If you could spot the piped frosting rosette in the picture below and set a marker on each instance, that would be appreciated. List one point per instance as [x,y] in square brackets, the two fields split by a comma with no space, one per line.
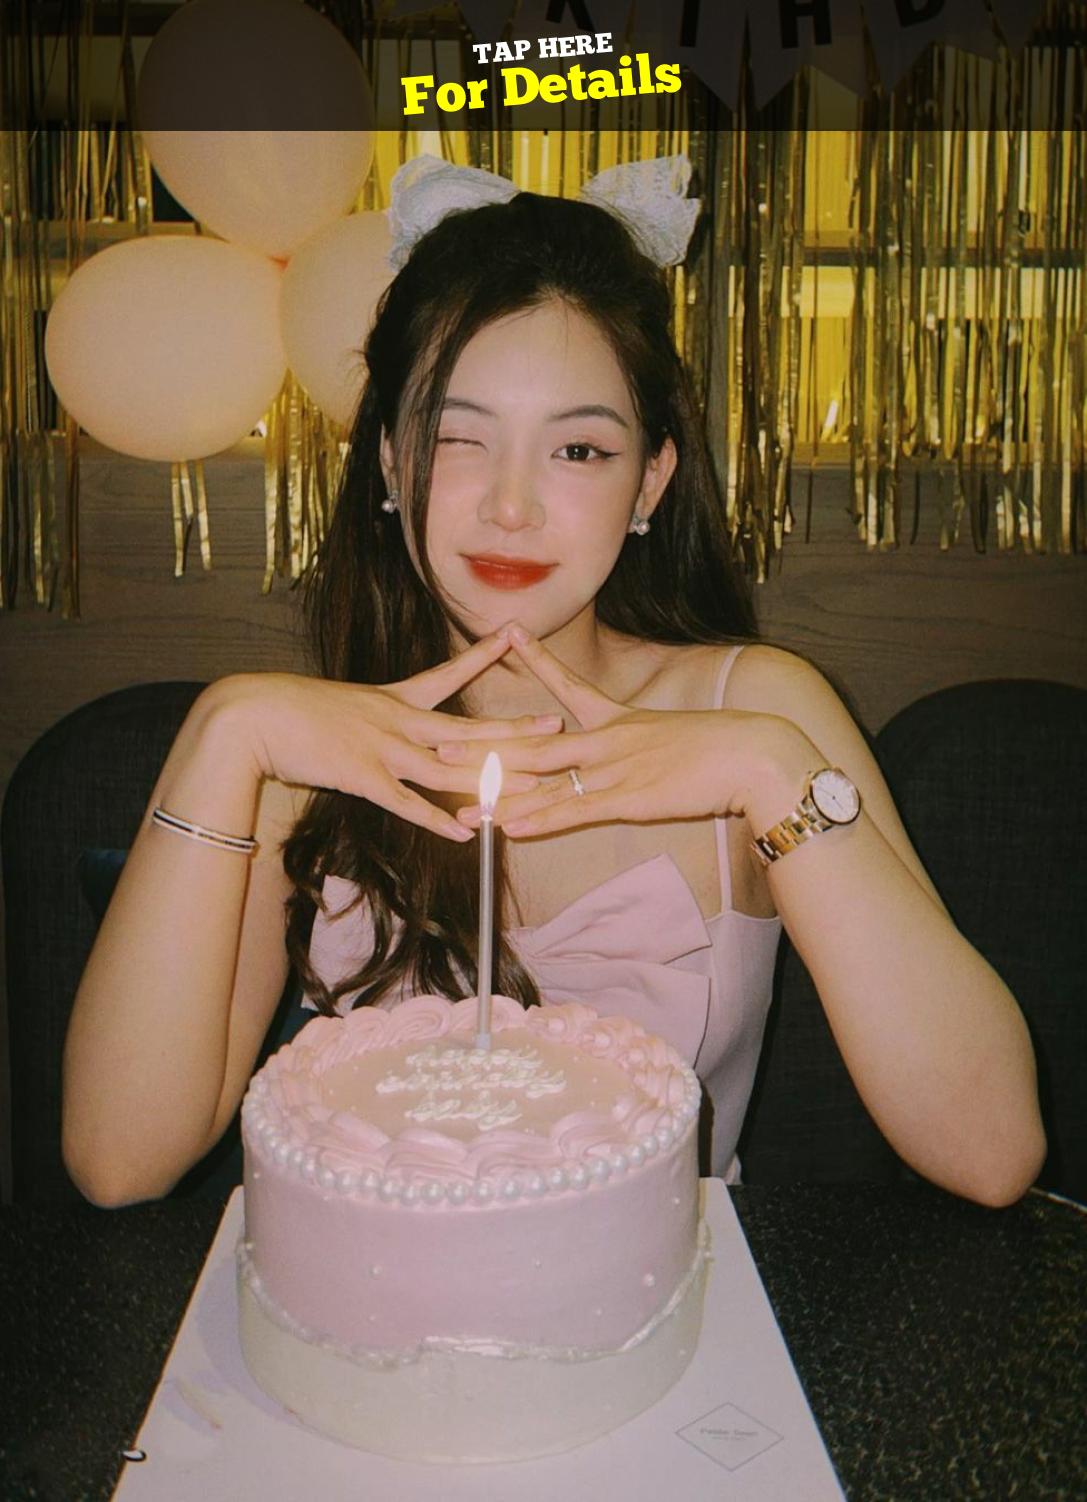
[285,1108]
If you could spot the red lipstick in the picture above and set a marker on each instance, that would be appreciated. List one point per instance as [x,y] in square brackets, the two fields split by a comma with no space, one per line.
[499,571]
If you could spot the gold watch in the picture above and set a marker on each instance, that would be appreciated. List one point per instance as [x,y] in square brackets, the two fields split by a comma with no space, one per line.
[829,799]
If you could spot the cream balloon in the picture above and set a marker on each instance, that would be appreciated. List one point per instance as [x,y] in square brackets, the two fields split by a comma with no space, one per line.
[330,289]
[168,347]
[258,117]
[268,190]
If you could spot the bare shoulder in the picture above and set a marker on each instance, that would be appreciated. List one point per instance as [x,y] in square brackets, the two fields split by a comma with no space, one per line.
[773,681]
[768,679]
[761,678]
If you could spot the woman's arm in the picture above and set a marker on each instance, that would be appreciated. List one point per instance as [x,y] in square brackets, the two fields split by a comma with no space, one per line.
[932,1037]
[180,987]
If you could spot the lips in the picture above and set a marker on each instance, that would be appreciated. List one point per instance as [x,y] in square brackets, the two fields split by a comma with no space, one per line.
[498,571]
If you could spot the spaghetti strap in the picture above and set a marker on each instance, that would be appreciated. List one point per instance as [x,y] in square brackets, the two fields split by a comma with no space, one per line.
[724,864]
[722,675]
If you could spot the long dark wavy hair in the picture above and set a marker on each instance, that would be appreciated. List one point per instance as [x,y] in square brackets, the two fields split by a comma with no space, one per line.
[374,618]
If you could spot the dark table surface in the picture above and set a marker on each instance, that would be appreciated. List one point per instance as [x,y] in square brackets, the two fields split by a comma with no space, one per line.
[942,1346]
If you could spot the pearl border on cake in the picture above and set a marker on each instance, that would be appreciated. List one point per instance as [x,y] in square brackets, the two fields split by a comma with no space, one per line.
[286,1151]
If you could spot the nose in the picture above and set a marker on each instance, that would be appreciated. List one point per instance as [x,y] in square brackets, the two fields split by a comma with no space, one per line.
[511,502]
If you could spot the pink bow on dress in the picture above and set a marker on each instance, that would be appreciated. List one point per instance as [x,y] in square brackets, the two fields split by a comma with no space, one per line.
[612,949]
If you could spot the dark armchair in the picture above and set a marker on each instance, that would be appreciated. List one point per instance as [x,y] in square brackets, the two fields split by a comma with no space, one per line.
[990,778]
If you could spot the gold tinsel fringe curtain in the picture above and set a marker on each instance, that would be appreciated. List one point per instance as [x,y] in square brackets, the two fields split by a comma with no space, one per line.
[904,302]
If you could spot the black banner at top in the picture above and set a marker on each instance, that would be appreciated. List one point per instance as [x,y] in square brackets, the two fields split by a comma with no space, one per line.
[558,64]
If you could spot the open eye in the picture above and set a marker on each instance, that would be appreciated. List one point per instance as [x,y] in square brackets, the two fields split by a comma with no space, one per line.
[586,451]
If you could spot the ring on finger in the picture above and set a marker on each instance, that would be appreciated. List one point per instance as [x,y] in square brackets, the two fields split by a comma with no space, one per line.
[579,786]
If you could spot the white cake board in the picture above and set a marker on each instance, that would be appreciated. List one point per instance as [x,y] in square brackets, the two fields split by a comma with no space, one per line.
[736,1426]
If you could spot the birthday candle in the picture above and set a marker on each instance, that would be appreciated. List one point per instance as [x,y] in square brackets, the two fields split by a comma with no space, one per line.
[490,785]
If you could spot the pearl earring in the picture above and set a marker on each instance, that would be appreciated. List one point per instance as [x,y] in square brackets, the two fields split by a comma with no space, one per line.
[389,504]
[640,524]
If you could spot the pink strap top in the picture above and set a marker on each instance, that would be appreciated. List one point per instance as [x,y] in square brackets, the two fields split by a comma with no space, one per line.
[636,946]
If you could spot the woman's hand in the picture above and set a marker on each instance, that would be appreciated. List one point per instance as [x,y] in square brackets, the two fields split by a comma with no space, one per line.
[636,765]
[371,741]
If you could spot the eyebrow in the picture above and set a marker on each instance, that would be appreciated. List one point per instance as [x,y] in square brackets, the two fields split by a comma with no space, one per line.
[592,409]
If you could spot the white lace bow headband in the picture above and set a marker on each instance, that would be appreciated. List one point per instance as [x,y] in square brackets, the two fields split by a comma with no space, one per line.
[649,197]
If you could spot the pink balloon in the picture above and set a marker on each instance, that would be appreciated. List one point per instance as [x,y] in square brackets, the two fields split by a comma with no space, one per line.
[168,346]
[330,289]
[258,117]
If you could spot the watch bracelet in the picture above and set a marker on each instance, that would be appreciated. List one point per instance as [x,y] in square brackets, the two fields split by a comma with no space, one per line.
[791,832]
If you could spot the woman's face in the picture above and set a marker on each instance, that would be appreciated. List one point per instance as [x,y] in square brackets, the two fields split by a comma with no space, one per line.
[537,473]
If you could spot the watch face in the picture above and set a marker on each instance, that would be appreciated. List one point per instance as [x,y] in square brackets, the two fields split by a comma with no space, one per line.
[835,796]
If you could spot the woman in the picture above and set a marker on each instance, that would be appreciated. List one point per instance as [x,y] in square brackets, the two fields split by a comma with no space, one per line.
[529,553]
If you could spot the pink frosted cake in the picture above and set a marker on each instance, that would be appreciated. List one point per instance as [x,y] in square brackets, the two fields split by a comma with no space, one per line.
[453,1254]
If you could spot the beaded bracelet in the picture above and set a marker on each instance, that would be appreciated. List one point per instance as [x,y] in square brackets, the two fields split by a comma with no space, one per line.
[243,844]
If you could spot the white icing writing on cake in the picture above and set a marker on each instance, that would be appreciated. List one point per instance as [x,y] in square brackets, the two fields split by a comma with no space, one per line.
[460,1084]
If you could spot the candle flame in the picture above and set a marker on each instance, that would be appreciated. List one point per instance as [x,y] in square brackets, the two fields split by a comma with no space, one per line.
[490,782]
